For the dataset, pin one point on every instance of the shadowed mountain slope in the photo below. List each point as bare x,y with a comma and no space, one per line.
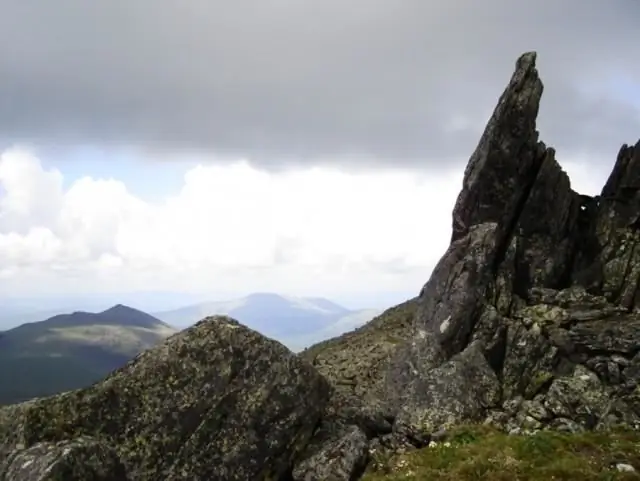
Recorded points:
69,351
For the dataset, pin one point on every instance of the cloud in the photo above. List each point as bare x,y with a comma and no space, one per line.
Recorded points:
229,227
360,84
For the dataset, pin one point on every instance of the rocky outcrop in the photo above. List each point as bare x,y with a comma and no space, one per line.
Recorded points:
530,320
609,258
215,402
341,458
355,362
542,280
355,365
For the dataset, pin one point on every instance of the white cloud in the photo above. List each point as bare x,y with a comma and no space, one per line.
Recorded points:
230,228
32,196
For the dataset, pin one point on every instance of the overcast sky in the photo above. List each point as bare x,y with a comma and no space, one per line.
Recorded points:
288,145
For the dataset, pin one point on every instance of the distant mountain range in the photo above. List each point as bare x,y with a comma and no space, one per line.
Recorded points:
295,321
15,311
69,351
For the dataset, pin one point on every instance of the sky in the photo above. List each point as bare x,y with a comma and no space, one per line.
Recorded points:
308,148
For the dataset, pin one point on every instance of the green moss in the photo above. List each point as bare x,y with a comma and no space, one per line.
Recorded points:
475,453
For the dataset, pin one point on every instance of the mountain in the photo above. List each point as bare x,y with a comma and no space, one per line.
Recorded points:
68,351
294,321
15,311
519,359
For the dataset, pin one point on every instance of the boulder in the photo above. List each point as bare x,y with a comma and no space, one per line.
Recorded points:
529,321
81,459
340,458
540,280
216,401
460,390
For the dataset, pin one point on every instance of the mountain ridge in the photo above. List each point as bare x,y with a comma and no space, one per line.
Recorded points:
117,314
528,325
69,351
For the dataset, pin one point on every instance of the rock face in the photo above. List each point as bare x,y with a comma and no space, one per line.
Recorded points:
355,364
542,280
531,319
215,402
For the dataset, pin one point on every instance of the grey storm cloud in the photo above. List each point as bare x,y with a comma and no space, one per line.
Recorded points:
398,82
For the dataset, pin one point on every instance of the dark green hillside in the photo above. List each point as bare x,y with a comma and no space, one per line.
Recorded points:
74,350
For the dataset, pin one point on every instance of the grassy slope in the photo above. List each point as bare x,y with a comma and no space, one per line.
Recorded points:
475,453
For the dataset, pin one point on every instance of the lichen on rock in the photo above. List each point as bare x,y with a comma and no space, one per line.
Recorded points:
216,401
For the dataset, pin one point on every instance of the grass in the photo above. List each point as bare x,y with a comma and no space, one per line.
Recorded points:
474,453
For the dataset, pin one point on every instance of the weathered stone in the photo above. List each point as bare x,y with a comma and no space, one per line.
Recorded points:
611,334
625,468
535,408
81,459
631,371
340,459
449,307
498,237
498,419
607,370
356,365
491,333
462,389
610,261
528,320
529,362
537,276
580,397
216,401
566,425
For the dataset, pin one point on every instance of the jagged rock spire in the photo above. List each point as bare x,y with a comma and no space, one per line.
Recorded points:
518,230
504,158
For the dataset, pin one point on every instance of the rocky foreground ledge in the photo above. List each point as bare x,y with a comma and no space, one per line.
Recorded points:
529,322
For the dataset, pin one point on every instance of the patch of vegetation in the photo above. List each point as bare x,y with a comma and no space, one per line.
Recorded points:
474,453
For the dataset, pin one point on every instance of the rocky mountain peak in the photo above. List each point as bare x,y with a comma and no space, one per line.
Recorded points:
529,321
537,283
507,157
